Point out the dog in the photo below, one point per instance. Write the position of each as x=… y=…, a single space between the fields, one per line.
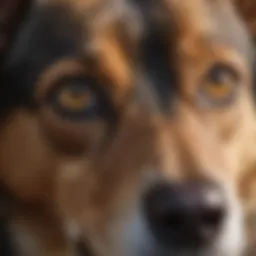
x=128 y=128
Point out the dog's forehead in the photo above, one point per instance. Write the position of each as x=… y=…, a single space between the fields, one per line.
x=213 y=19
x=56 y=29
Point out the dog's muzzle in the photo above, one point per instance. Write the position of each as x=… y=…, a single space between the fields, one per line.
x=182 y=219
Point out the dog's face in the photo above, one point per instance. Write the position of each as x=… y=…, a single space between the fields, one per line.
x=130 y=120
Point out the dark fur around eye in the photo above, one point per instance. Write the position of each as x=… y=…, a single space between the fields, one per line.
x=101 y=106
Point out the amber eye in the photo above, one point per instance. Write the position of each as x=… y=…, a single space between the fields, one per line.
x=219 y=85
x=78 y=98
x=75 y=99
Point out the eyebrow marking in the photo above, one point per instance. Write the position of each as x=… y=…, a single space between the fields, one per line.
x=112 y=61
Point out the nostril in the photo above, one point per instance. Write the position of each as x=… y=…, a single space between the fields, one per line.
x=212 y=218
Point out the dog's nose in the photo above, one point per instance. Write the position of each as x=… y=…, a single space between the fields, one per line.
x=185 y=215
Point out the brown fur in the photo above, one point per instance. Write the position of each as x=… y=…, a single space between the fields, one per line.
x=247 y=8
x=100 y=182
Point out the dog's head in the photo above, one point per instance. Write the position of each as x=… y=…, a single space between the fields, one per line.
x=130 y=120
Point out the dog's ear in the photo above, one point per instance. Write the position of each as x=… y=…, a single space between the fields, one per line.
x=247 y=9
x=11 y=13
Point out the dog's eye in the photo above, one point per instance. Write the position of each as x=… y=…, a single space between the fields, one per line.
x=220 y=84
x=77 y=99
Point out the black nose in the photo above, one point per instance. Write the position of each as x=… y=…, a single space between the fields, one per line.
x=185 y=215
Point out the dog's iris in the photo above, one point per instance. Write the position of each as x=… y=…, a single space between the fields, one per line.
x=219 y=84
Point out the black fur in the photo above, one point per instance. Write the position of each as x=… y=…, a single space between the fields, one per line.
x=47 y=34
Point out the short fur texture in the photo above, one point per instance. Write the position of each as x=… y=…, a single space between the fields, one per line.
x=82 y=180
